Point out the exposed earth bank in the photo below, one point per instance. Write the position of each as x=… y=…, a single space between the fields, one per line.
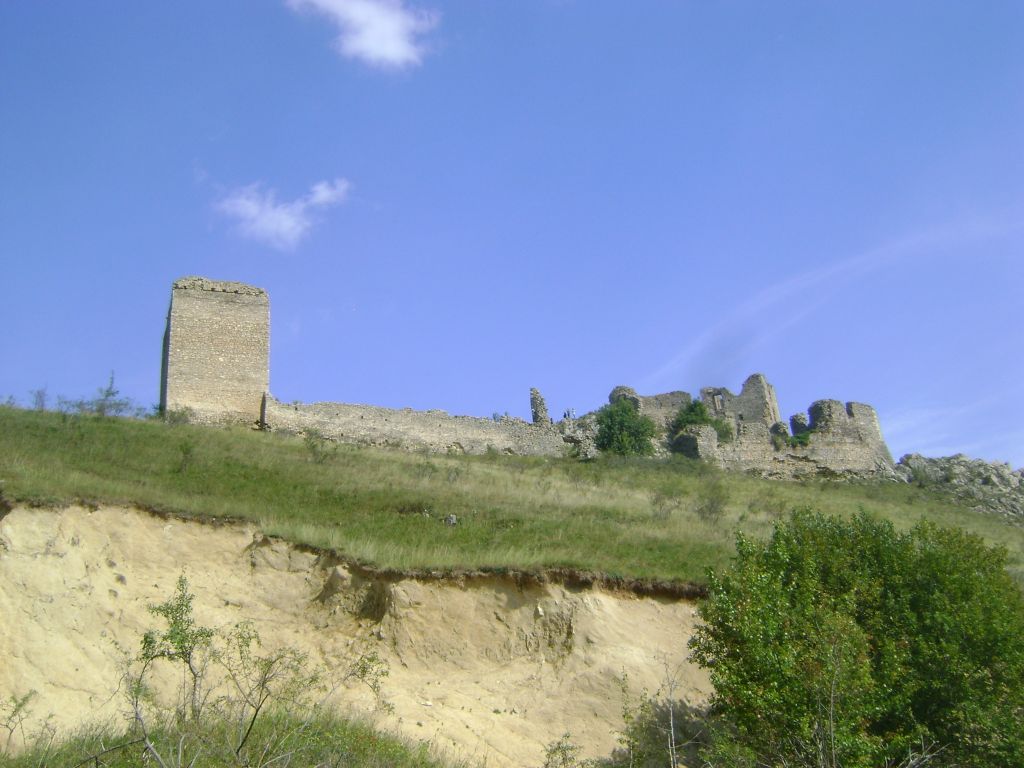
x=487 y=668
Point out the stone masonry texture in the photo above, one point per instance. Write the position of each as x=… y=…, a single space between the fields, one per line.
x=538 y=408
x=216 y=350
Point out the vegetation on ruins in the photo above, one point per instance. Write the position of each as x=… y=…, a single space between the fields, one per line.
x=696 y=413
x=623 y=430
x=848 y=643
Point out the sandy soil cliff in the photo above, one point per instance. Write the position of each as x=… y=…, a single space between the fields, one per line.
x=485 y=668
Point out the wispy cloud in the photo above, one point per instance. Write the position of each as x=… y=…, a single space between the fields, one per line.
x=935 y=430
x=382 y=33
x=260 y=216
x=727 y=343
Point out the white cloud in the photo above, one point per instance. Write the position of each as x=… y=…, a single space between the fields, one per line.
x=383 y=33
x=280 y=225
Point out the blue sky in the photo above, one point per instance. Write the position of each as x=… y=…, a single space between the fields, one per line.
x=451 y=202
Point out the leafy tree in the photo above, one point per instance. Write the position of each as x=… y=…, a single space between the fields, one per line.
x=696 y=413
x=847 y=643
x=622 y=430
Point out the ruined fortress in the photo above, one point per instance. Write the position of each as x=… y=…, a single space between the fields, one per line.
x=216 y=368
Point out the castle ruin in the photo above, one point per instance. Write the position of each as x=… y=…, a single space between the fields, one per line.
x=216 y=368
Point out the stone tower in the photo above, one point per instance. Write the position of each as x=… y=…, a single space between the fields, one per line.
x=216 y=350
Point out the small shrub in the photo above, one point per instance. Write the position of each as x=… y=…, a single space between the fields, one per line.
x=186 y=451
x=107 y=402
x=562 y=753
x=236 y=704
x=712 y=500
x=695 y=414
x=320 y=447
x=623 y=431
x=40 y=398
x=184 y=642
x=13 y=714
x=800 y=439
x=768 y=503
x=664 y=503
x=178 y=416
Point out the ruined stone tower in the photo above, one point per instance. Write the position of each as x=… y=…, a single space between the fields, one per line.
x=216 y=359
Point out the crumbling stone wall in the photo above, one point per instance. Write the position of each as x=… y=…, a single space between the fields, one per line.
x=756 y=403
x=216 y=350
x=847 y=437
x=435 y=431
x=538 y=408
x=661 y=409
x=216 y=365
x=843 y=440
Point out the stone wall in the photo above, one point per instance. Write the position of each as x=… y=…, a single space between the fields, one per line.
x=662 y=409
x=216 y=350
x=435 y=431
x=847 y=437
x=756 y=402
x=840 y=439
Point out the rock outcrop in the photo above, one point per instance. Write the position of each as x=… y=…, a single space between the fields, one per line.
x=987 y=486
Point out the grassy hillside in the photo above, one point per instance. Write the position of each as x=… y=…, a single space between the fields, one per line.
x=643 y=519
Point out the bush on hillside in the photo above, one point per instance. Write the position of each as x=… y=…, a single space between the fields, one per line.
x=847 y=643
x=107 y=402
x=623 y=430
x=696 y=413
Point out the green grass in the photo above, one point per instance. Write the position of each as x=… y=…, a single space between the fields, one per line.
x=630 y=518
x=324 y=739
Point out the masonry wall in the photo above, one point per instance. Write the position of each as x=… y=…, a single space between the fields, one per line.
x=216 y=350
x=848 y=437
x=662 y=409
x=756 y=402
x=435 y=431
x=844 y=439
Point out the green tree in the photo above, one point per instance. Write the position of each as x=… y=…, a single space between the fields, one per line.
x=622 y=430
x=847 y=643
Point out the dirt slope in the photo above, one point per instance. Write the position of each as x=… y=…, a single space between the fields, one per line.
x=485 y=668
